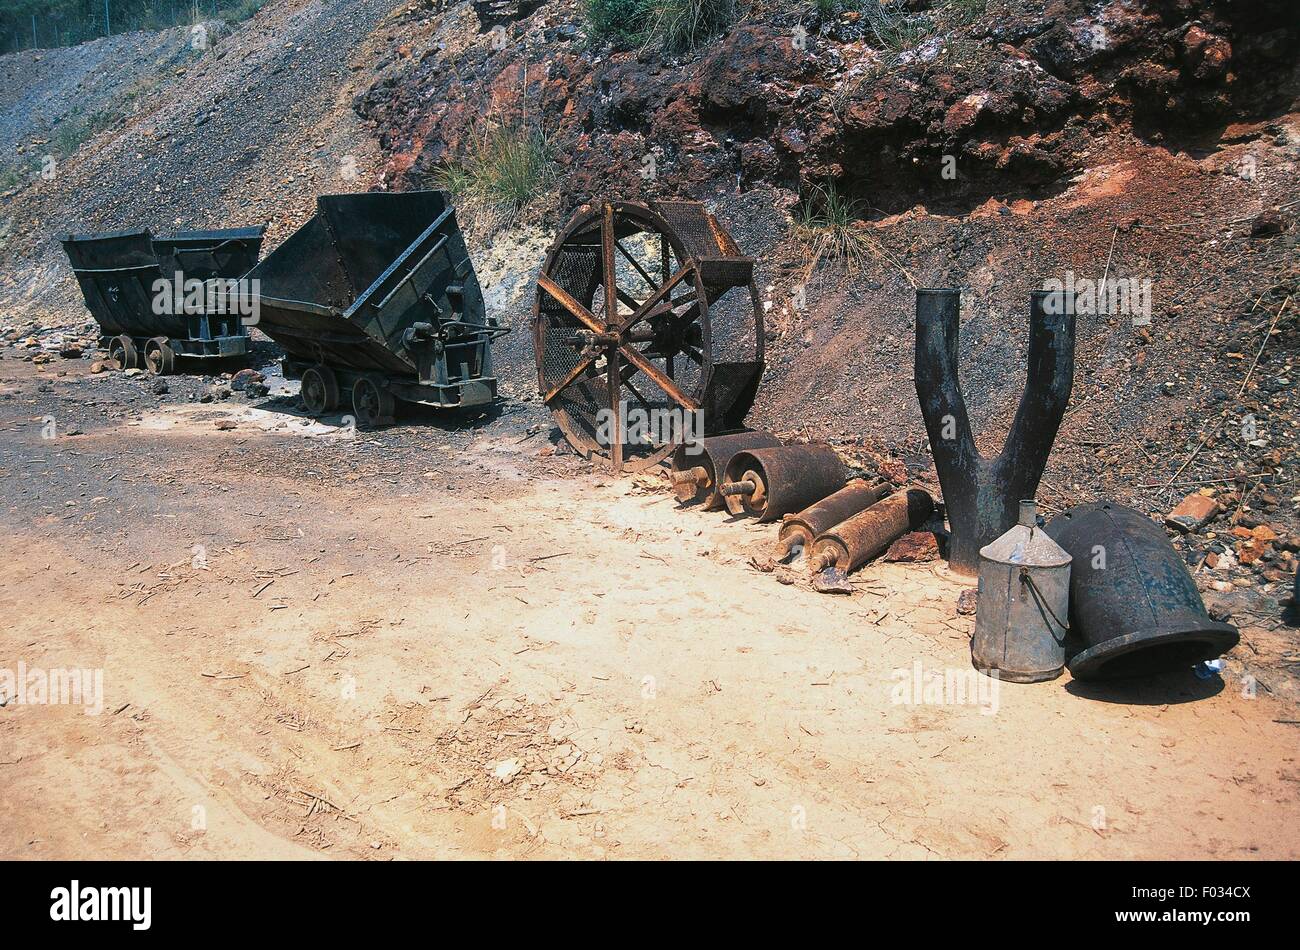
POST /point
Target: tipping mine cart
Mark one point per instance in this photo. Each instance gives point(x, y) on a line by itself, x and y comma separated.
point(376, 297)
point(120, 274)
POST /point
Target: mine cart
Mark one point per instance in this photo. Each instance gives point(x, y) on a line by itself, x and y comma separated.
point(648, 331)
point(374, 300)
point(157, 299)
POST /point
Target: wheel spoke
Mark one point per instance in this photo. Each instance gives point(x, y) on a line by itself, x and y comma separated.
point(655, 298)
point(607, 243)
point(566, 300)
point(637, 264)
point(663, 382)
point(583, 364)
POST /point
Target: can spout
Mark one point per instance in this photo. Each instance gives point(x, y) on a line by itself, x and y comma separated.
point(1028, 513)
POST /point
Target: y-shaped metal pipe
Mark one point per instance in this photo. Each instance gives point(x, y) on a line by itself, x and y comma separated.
point(982, 496)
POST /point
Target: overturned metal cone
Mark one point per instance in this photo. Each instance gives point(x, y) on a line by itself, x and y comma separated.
point(697, 465)
point(1133, 603)
point(981, 495)
point(799, 531)
point(852, 543)
point(769, 483)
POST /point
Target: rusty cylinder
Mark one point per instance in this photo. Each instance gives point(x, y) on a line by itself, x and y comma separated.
point(768, 483)
point(696, 464)
point(799, 531)
point(859, 539)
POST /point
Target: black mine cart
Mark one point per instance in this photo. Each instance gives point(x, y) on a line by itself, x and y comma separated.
point(375, 300)
point(145, 321)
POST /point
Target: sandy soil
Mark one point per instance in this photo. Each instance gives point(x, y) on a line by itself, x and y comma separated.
point(439, 642)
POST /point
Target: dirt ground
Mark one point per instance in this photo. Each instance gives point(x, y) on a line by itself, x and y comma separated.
point(449, 641)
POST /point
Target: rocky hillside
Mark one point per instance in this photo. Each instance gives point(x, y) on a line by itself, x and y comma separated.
point(939, 142)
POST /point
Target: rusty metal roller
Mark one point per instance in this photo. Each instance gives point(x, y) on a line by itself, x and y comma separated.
point(1133, 604)
point(768, 483)
point(860, 538)
point(799, 531)
point(696, 464)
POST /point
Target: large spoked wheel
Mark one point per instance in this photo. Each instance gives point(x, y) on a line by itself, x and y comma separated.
point(122, 350)
point(320, 390)
point(622, 335)
point(372, 403)
point(159, 356)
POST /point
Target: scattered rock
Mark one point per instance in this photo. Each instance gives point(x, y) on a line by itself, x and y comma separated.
point(967, 601)
point(241, 380)
point(506, 770)
point(1266, 224)
point(1192, 513)
point(914, 548)
point(832, 581)
point(225, 425)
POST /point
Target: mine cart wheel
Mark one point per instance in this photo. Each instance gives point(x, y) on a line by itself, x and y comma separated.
point(320, 390)
point(159, 356)
point(372, 403)
point(635, 310)
point(122, 349)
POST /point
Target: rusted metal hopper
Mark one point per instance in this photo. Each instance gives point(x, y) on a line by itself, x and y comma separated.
point(119, 274)
point(647, 330)
point(1133, 604)
point(375, 298)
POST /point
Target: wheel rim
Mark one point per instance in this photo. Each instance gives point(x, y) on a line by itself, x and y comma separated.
point(623, 353)
point(368, 402)
point(153, 357)
point(313, 391)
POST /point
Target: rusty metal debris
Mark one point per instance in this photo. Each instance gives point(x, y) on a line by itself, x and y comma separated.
point(982, 495)
point(798, 532)
point(853, 542)
point(696, 465)
point(647, 331)
point(769, 483)
point(118, 273)
point(376, 297)
point(1133, 605)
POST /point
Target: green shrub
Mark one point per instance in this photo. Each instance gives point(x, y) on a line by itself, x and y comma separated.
point(502, 170)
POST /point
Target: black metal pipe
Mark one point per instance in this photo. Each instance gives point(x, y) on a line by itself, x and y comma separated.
point(982, 496)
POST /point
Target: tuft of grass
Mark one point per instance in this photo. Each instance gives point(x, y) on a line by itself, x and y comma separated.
point(674, 26)
point(679, 26)
point(965, 12)
point(617, 21)
point(826, 223)
point(504, 168)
